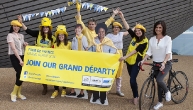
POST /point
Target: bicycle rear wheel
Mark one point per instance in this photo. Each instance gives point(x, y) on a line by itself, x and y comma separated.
point(179, 87)
point(147, 94)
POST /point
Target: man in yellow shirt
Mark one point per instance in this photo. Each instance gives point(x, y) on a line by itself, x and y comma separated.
point(89, 31)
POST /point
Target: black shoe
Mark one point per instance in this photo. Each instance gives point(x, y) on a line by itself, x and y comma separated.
point(102, 101)
point(80, 95)
point(72, 94)
point(94, 99)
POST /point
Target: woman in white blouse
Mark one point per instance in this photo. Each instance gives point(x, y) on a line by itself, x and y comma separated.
point(16, 45)
point(160, 47)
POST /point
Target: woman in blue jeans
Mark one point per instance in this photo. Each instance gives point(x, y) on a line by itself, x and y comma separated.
point(135, 53)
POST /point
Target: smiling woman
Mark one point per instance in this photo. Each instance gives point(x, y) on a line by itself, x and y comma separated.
point(160, 47)
point(135, 53)
point(16, 46)
point(44, 37)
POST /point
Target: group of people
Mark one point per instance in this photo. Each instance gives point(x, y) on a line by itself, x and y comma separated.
point(94, 38)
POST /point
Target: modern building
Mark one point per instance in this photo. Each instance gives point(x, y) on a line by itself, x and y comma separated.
point(178, 15)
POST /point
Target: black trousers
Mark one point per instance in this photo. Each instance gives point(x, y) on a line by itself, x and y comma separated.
point(102, 96)
point(57, 87)
point(16, 65)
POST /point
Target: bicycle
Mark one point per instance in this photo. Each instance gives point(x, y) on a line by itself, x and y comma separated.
point(177, 84)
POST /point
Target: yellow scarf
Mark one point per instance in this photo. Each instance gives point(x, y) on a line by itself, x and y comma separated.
point(106, 41)
point(79, 42)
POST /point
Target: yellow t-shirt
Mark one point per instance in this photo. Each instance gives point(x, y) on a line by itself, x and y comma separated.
point(45, 43)
point(89, 33)
point(62, 46)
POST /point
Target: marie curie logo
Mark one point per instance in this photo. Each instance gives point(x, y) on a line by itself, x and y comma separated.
point(25, 74)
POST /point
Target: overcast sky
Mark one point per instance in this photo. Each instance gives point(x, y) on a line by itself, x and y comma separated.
point(183, 43)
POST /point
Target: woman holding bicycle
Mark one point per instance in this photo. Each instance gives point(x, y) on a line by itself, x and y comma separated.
point(136, 52)
point(160, 47)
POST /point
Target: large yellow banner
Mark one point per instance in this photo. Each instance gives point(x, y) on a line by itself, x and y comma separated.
point(69, 68)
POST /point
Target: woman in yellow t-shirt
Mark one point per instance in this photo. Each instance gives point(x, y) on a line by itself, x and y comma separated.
point(44, 37)
point(61, 43)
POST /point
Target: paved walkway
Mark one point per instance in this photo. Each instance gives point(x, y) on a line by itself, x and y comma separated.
point(36, 101)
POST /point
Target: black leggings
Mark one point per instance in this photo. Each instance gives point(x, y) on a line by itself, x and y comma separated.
point(16, 65)
point(102, 95)
point(57, 87)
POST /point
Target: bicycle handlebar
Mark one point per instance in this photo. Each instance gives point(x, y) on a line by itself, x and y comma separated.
point(158, 65)
point(150, 64)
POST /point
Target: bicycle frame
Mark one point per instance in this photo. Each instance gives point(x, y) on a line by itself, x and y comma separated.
point(172, 74)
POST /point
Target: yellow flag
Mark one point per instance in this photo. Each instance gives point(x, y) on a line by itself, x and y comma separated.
point(70, 3)
point(49, 13)
point(91, 5)
point(105, 8)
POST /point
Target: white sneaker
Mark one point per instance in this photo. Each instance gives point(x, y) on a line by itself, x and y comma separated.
point(168, 96)
point(13, 98)
point(158, 106)
point(22, 97)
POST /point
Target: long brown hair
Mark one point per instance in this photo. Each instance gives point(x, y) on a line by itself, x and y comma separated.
point(49, 34)
point(139, 39)
point(58, 40)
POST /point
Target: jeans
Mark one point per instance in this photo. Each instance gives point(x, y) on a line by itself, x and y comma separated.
point(161, 86)
point(133, 71)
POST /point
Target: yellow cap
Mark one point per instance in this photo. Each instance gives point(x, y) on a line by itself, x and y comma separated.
point(46, 22)
point(16, 22)
point(139, 26)
point(61, 29)
point(117, 24)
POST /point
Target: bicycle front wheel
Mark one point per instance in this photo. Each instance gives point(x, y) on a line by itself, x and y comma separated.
point(179, 87)
point(147, 94)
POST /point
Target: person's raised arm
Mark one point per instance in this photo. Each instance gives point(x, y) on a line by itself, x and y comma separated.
point(19, 17)
point(111, 19)
point(33, 33)
point(123, 20)
point(126, 25)
point(78, 16)
point(125, 33)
